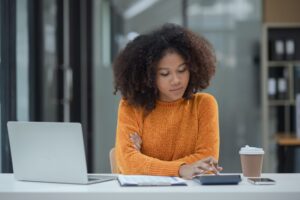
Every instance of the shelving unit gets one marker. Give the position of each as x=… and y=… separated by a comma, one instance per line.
x=278, y=110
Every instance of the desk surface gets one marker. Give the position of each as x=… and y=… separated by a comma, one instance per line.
x=287, y=187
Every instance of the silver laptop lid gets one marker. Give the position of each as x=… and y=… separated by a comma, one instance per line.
x=48, y=152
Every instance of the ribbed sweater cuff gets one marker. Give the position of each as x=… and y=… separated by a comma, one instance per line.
x=166, y=169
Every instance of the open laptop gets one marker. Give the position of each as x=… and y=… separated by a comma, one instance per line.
x=50, y=152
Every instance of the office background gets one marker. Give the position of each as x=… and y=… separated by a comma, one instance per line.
x=56, y=61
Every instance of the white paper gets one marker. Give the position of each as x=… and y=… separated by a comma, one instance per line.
x=141, y=180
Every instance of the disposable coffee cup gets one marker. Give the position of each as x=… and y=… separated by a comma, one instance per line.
x=251, y=161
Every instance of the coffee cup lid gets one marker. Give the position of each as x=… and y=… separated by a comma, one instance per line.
x=251, y=150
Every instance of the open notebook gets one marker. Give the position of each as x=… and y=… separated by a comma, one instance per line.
x=141, y=180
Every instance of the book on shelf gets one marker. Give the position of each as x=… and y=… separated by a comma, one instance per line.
x=282, y=88
x=278, y=83
x=276, y=49
x=296, y=79
x=281, y=49
x=290, y=47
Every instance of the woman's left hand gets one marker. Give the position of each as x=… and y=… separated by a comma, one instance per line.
x=136, y=140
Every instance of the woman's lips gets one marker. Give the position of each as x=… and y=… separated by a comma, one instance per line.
x=176, y=89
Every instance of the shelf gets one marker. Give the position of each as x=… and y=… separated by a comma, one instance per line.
x=278, y=114
x=281, y=25
x=283, y=63
x=281, y=103
x=287, y=140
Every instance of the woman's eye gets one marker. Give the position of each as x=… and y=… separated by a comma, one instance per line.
x=164, y=74
x=182, y=70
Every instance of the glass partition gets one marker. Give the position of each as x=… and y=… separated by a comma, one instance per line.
x=22, y=56
x=234, y=28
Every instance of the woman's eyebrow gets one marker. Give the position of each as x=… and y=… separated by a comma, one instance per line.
x=184, y=63
x=166, y=68
x=163, y=68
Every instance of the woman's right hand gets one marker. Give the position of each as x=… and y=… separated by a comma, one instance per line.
x=209, y=164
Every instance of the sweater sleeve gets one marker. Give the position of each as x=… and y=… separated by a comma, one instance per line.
x=131, y=161
x=208, y=140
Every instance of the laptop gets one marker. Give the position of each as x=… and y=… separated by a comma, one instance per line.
x=50, y=152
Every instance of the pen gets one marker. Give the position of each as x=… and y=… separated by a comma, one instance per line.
x=214, y=169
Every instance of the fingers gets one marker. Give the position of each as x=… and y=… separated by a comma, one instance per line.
x=209, y=164
x=219, y=168
x=214, y=169
x=214, y=166
x=203, y=165
x=188, y=171
x=136, y=140
x=198, y=171
x=210, y=159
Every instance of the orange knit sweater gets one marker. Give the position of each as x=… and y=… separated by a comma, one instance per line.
x=173, y=133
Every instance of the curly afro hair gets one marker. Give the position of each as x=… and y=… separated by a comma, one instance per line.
x=135, y=67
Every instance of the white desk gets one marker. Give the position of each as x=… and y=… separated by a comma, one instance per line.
x=286, y=188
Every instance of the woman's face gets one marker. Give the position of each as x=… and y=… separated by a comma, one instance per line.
x=172, y=77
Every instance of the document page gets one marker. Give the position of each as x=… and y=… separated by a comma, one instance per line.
x=141, y=180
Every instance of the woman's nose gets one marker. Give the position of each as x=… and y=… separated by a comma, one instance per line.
x=175, y=79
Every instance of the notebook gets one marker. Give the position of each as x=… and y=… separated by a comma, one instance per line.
x=50, y=152
x=142, y=180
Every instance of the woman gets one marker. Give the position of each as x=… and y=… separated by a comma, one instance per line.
x=164, y=126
